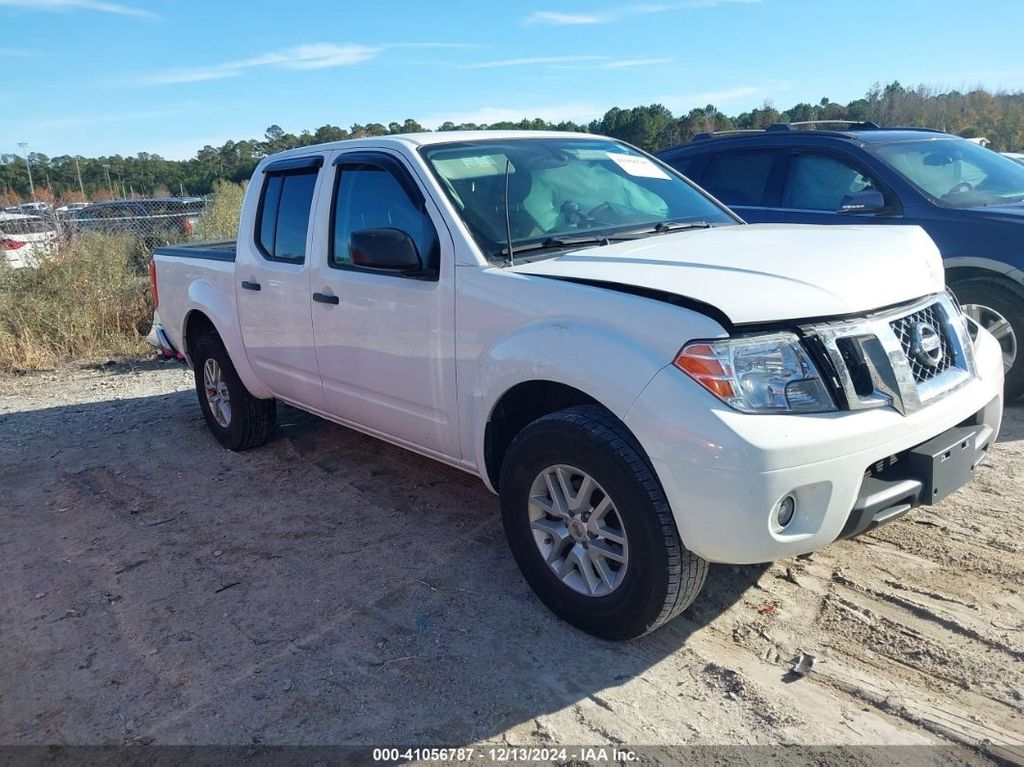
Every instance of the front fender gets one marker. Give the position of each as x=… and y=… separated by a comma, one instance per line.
x=606, y=364
x=205, y=297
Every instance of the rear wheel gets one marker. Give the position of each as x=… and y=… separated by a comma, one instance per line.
x=590, y=527
x=237, y=419
x=1000, y=310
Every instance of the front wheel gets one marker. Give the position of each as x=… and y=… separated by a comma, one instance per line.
x=237, y=419
x=590, y=527
x=1000, y=310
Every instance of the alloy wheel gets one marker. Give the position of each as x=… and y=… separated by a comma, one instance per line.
x=217, y=395
x=1000, y=328
x=578, y=530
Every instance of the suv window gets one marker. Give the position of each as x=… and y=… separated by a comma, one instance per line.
x=370, y=197
x=821, y=182
x=739, y=177
x=283, y=217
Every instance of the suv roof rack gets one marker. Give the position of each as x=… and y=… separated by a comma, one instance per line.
x=731, y=132
x=845, y=132
x=851, y=124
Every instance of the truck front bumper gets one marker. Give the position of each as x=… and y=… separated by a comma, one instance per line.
x=726, y=473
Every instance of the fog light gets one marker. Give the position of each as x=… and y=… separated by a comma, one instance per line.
x=784, y=513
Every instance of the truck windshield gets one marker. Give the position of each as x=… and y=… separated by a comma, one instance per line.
x=956, y=173
x=563, y=192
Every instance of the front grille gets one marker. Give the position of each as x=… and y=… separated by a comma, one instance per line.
x=904, y=330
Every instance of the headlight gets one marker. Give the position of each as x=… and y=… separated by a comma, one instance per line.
x=759, y=374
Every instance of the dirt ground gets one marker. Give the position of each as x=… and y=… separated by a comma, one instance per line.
x=328, y=588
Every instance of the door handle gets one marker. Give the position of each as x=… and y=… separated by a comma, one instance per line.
x=246, y=285
x=325, y=298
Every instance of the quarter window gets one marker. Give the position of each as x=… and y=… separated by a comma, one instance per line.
x=739, y=177
x=283, y=218
x=370, y=197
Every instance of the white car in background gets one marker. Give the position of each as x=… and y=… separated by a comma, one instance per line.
x=25, y=240
x=70, y=208
x=1015, y=156
x=32, y=208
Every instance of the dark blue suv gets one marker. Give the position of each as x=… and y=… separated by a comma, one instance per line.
x=969, y=199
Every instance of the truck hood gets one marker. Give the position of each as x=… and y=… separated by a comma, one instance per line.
x=766, y=272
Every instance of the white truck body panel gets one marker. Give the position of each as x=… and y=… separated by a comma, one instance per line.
x=422, y=364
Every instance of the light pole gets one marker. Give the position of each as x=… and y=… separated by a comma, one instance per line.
x=106, y=169
x=31, y=186
x=81, y=187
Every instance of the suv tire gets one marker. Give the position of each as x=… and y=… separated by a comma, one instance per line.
x=987, y=301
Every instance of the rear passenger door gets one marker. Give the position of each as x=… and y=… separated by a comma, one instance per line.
x=746, y=180
x=272, y=282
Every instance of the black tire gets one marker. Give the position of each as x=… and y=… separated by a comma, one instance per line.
x=662, y=577
x=1009, y=302
x=252, y=420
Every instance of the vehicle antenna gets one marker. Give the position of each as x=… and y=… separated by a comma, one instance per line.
x=508, y=225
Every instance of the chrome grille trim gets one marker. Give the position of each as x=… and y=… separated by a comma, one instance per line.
x=904, y=330
x=875, y=363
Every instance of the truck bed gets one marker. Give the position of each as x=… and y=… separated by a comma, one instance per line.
x=218, y=250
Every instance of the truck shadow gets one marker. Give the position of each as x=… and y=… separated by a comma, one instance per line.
x=1013, y=423
x=326, y=588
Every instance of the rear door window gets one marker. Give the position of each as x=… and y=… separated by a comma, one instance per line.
x=283, y=218
x=740, y=177
x=685, y=164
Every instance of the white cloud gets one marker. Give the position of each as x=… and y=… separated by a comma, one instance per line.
x=487, y=115
x=300, y=57
x=560, y=18
x=566, y=19
x=83, y=5
x=530, y=61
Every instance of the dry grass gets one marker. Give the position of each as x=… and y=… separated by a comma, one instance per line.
x=220, y=219
x=89, y=301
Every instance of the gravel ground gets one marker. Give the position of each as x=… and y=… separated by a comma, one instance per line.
x=328, y=588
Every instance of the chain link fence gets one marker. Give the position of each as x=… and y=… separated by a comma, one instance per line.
x=31, y=233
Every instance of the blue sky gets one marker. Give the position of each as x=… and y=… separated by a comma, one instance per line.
x=169, y=76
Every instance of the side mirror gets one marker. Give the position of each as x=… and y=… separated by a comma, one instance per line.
x=385, y=248
x=864, y=201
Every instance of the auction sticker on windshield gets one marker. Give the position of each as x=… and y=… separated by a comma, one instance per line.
x=635, y=165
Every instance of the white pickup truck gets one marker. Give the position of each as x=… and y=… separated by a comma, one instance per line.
x=648, y=383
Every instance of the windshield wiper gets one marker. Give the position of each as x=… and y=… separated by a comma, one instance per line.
x=558, y=243
x=1003, y=200
x=679, y=226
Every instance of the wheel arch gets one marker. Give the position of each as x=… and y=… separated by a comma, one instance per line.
x=521, y=405
x=960, y=269
x=196, y=325
x=199, y=319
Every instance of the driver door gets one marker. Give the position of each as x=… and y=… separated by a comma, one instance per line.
x=385, y=342
x=824, y=188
